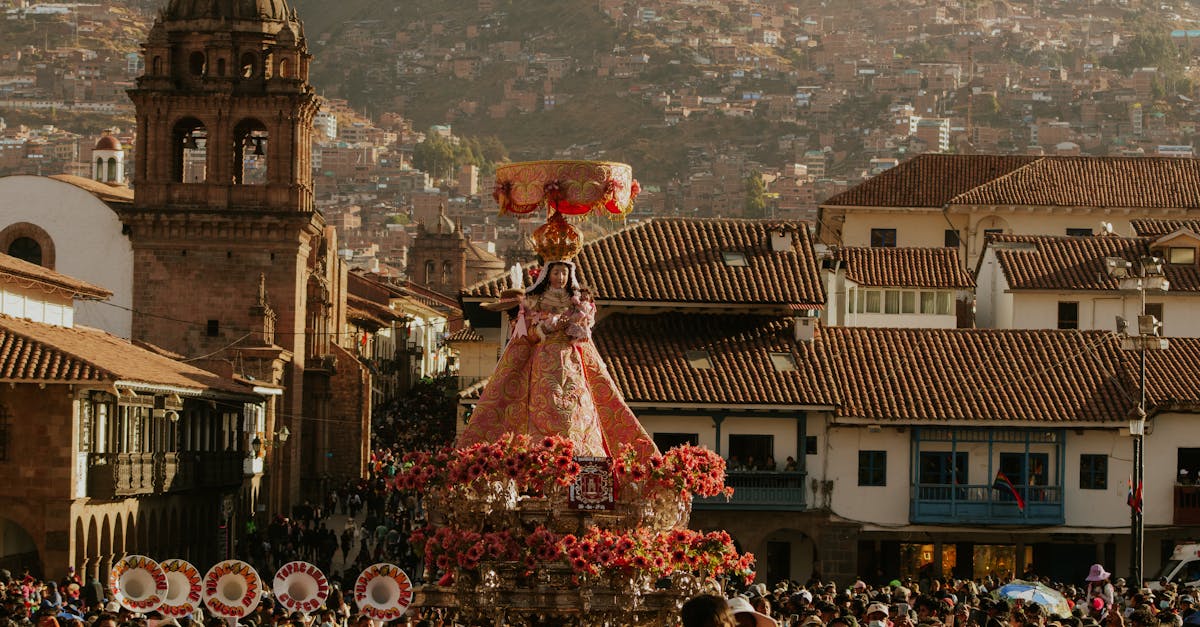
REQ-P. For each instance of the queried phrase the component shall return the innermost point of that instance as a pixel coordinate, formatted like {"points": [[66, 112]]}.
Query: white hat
{"points": [[1098, 573], [740, 605], [876, 607], [112, 607]]}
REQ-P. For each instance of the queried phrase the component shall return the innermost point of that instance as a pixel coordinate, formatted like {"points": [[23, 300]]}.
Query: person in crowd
{"points": [[706, 610]]}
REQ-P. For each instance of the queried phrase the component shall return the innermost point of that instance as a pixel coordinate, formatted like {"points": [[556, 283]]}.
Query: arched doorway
{"points": [[790, 555], [18, 551]]}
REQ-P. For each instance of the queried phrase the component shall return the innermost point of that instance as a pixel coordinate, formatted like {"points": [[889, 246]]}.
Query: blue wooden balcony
{"points": [[984, 505], [760, 490]]}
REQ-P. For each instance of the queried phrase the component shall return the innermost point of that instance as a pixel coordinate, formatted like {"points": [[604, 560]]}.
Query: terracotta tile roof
{"points": [[904, 267], [369, 312], [934, 181], [12, 268], [681, 260], [1173, 375], [647, 357], [31, 351], [1159, 228], [1139, 182], [929, 180], [979, 374], [105, 192], [1047, 262], [465, 334]]}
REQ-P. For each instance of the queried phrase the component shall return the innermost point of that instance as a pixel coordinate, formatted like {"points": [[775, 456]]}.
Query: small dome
{"points": [[108, 142]]}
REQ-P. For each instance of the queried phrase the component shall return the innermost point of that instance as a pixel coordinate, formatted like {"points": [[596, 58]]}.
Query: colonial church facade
{"points": [[223, 225], [218, 258]]}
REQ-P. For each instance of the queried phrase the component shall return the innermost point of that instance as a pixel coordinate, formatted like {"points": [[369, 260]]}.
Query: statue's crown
{"points": [[557, 240]]}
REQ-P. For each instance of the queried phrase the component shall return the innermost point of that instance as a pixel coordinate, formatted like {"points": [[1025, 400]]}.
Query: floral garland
{"points": [[475, 469], [516, 467], [684, 470], [599, 552]]}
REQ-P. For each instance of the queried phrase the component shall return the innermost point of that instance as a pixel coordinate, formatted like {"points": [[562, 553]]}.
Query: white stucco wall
{"points": [[886, 505], [926, 227], [1039, 310], [901, 321], [889, 505], [88, 243], [1099, 508], [1171, 432], [783, 431], [702, 426], [919, 228]]}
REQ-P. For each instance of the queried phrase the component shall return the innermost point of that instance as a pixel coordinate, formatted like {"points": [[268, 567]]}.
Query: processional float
{"points": [[561, 510]]}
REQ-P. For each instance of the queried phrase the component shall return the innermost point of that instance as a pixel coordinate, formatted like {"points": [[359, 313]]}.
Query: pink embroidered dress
{"points": [[551, 381]]}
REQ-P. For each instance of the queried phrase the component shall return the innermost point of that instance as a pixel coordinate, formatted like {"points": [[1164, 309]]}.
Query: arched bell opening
{"points": [[250, 145], [190, 163]]}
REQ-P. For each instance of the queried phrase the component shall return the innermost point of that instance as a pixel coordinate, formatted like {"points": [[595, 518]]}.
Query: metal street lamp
{"points": [[1146, 274]]}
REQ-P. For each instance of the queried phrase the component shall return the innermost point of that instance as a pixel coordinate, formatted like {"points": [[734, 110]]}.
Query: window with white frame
{"points": [[861, 300]]}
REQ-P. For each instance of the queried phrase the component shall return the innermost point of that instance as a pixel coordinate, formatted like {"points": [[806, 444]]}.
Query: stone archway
{"points": [[93, 548], [18, 550], [106, 548], [119, 536], [790, 554], [79, 555]]}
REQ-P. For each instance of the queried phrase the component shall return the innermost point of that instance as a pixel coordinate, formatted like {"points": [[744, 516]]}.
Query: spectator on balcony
{"points": [[1184, 477], [791, 465], [770, 465]]}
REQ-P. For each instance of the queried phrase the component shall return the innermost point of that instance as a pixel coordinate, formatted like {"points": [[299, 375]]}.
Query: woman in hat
{"points": [[551, 379], [1099, 586]]}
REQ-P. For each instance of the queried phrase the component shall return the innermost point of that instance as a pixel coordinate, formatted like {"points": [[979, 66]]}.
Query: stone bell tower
{"points": [[223, 210]]}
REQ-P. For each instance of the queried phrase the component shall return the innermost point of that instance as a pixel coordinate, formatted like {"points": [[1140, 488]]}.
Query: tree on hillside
{"points": [[435, 156], [1147, 48], [756, 196]]}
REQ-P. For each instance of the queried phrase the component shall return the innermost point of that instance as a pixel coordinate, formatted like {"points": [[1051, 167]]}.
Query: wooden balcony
{"points": [[754, 490], [119, 475], [1187, 505], [984, 505]]}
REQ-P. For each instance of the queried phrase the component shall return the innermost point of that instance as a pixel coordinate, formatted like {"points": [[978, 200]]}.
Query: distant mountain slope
{"points": [[365, 52]]}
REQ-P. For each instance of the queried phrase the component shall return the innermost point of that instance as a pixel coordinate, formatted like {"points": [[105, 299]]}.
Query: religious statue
{"points": [[551, 380]]}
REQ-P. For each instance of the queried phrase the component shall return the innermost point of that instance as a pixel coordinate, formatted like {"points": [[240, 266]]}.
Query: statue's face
{"points": [[559, 275]]}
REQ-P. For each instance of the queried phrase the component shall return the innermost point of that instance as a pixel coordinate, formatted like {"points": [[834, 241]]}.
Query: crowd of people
{"points": [[355, 525], [378, 522], [1098, 601]]}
